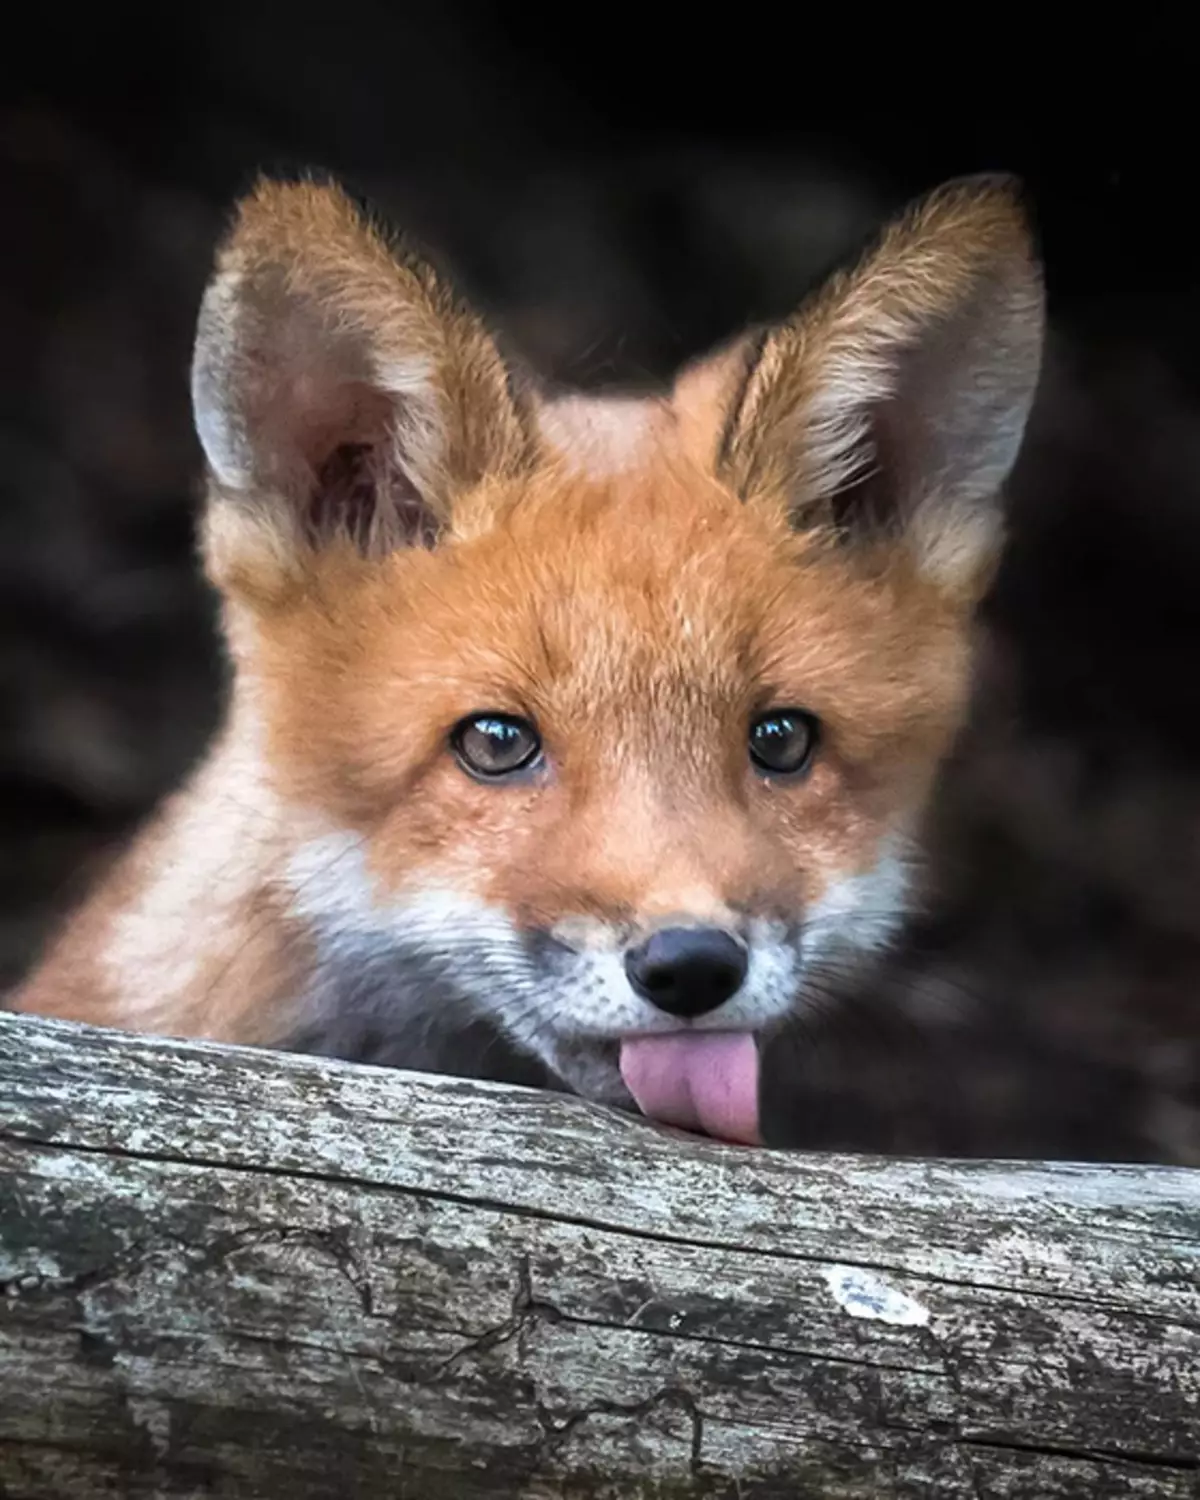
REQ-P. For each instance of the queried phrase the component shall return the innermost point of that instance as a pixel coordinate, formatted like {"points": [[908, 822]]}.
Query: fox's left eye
{"points": [[782, 742], [494, 745]]}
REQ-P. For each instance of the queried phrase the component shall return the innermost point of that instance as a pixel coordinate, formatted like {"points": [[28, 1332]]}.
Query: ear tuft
{"points": [[896, 399], [339, 387]]}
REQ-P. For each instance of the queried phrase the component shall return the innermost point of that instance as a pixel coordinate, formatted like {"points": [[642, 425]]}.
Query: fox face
{"points": [[605, 720]]}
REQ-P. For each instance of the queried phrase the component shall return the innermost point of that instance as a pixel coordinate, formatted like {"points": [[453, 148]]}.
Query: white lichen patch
{"points": [[862, 1294]]}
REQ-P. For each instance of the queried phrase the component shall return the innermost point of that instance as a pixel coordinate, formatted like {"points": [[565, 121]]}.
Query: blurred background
{"points": [[618, 202]]}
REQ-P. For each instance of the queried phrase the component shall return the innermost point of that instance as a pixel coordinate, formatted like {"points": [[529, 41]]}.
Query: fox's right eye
{"points": [[494, 745]]}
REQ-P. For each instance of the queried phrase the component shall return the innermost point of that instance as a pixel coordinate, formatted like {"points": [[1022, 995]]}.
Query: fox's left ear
{"points": [[895, 401]]}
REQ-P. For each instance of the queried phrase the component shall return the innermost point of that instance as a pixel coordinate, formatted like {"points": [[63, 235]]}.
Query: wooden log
{"points": [[229, 1272]]}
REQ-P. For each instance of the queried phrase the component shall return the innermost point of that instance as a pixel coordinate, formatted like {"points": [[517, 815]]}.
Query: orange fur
{"points": [[642, 668], [404, 534]]}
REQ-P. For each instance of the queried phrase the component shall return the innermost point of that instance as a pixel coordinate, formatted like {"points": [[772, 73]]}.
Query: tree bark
{"points": [[229, 1272]]}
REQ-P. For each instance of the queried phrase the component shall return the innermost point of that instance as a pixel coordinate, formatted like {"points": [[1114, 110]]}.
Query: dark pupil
{"points": [[781, 742], [495, 744]]}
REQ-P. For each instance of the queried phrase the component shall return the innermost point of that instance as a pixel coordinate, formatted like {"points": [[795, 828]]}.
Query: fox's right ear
{"points": [[340, 390]]}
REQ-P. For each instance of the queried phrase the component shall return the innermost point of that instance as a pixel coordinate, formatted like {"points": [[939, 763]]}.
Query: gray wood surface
{"points": [[230, 1272]]}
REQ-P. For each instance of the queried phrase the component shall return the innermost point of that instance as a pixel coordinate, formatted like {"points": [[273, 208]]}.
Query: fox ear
{"points": [[895, 401], [339, 389]]}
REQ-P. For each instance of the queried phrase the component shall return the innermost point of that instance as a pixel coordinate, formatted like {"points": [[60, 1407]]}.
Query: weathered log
{"points": [[231, 1272]]}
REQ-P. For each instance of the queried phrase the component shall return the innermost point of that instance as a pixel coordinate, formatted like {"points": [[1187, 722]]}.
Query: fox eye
{"points": [[782, 742], [495, 745]]}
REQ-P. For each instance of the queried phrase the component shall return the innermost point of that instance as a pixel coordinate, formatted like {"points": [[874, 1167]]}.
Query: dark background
{"points": [[617, 201]]}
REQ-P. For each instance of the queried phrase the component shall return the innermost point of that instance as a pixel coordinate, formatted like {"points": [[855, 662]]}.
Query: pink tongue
{"points": [[706, 1081]]}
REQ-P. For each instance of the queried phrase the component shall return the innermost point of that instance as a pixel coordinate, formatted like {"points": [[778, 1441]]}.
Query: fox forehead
{"points": [[639, 597], [606, 591]]}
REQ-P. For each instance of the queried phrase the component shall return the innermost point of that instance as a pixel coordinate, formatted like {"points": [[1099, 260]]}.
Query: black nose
{"points": [[687, 971]]}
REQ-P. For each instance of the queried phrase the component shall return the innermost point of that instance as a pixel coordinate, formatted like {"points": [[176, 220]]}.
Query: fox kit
{"points": [[606, 724]]}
